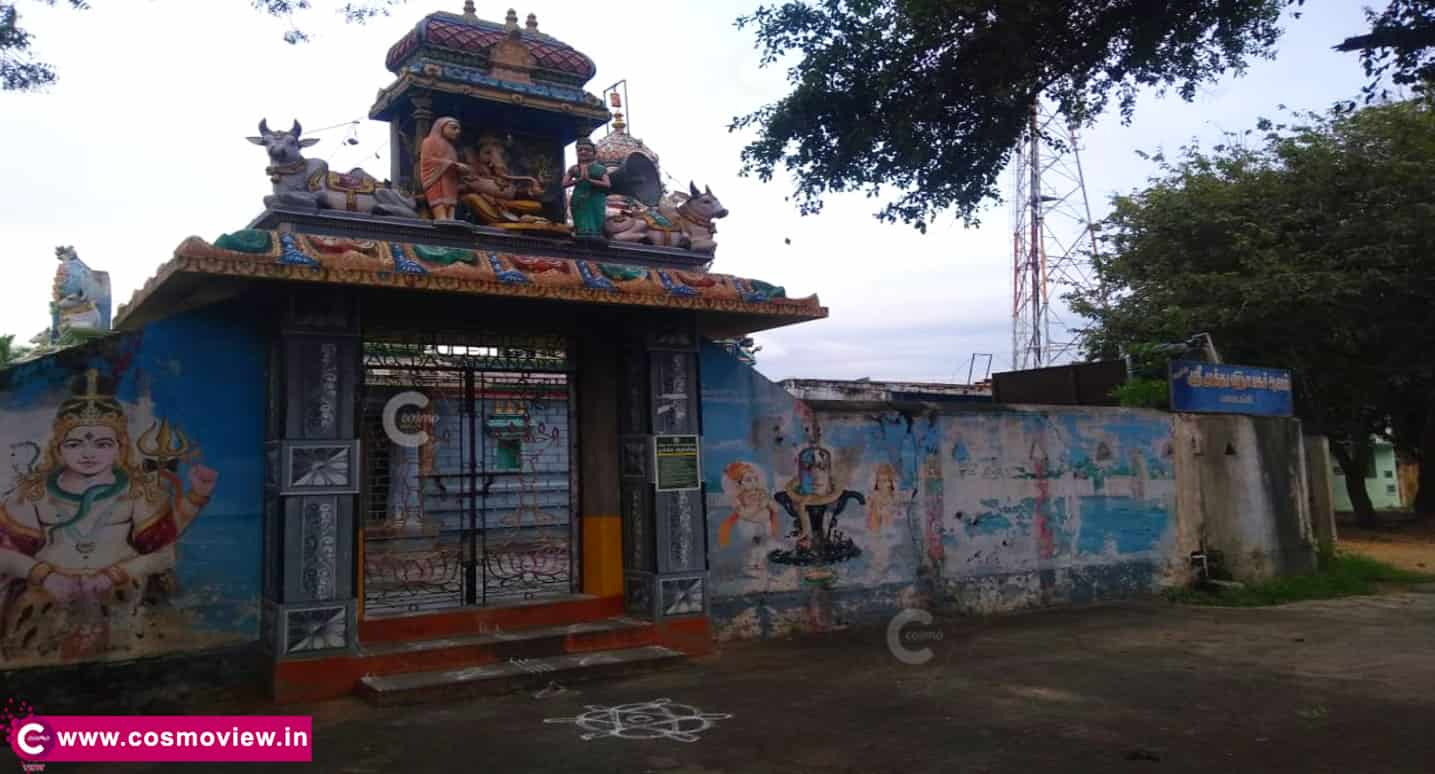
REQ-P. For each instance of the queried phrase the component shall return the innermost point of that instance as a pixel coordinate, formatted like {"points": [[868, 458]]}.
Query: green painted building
{"points": [[1382, 480]]}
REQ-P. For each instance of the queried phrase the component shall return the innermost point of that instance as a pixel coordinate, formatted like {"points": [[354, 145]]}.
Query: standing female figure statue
{"points": [[591, 185]]}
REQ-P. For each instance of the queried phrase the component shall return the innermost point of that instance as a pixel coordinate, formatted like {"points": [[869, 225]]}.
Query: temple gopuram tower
{"points": [[505, 82]]}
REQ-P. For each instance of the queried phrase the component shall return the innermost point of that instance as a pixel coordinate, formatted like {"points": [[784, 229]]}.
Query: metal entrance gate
{"points": [[469, 486]]}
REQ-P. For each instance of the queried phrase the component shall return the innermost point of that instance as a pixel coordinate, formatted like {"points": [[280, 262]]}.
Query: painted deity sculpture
{"points": [[440, 171], [81, 296], [90, 531], [680, 220], [590, 184], [309, 184], [497, 197]]}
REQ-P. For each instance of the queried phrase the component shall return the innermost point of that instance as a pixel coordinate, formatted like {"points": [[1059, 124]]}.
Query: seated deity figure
{"points": [[90, 533], [496, 196]]}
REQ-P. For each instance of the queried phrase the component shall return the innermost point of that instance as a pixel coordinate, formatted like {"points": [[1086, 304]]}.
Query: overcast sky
{"points": [[141, 144]]}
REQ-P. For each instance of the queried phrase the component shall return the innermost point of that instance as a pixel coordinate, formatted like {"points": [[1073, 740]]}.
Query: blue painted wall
{"points": [[978, 508], [203, 375]]}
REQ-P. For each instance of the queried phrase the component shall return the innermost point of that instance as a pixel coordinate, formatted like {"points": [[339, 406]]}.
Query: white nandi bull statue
{"points": [[80, 296], [680, 220], [308, 184]]}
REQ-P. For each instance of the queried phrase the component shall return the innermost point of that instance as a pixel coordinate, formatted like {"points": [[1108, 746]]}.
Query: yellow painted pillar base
{"points": [[603, 556]]}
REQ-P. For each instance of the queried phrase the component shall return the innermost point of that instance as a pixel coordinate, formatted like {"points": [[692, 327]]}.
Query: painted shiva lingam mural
{"points": [[480, 115]]}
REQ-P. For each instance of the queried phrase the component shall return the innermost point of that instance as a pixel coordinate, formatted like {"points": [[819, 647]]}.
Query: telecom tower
{"points": [[1051, 242]]}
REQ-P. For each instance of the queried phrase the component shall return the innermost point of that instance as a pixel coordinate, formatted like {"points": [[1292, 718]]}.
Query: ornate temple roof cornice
{"points": [[254, 254], [473, 82]]}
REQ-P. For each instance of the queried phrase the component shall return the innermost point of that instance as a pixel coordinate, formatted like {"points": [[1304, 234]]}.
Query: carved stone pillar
{"points": [[423, 122], [663, 508], [312, 478]]}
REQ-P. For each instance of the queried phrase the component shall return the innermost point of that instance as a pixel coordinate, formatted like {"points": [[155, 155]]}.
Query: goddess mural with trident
{"points": [[87, 530]]}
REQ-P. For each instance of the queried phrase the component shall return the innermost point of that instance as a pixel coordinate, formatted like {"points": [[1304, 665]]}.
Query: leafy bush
{"points": [[1144, 393]]}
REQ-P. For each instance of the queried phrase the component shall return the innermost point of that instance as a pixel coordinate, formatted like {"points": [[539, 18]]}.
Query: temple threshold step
{"points": [[516, 674], [603, 634]]}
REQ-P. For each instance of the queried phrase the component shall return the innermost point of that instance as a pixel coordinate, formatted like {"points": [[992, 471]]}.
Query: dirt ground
{"points": [[1340, 686], [1409, 545]]}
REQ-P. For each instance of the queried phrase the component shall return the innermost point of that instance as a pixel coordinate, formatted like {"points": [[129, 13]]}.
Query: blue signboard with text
{"points": [[1217, 388]]}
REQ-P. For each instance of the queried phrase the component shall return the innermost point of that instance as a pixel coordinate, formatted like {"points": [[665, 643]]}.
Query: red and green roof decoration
{"points": [[253, 254], [469, 40], [459, 58]]}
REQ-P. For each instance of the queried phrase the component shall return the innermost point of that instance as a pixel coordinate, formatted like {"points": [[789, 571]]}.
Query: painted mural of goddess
{"points": [[88, 530]]}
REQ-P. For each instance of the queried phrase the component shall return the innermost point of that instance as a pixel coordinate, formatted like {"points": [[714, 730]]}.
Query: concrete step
{"points": [[522, 614], [496, 645], [515, 674]]}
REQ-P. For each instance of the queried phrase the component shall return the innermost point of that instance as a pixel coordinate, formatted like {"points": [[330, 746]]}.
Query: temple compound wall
{"points": [[825, 513], [131, 522]]}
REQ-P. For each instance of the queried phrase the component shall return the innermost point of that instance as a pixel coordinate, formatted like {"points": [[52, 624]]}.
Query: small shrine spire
{"points": [[532, 22], [510, 22], [469, 11], [619, 125]]}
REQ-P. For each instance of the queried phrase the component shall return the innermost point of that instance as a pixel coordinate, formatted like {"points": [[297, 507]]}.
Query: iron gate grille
{"points": [[469, 491]]}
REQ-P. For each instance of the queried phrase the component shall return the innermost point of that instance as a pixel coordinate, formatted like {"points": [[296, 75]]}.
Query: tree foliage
{"points": [[930, 97], [1303, 246], [1400, 44], [921, 102], [9, 352], [19, 70]]}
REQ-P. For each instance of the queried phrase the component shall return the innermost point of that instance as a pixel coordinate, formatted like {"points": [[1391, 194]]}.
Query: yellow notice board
{"points": [[677, 464]]}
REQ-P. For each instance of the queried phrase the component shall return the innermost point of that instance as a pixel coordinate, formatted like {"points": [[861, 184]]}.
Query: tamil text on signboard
{"points": [[1217, 388]]}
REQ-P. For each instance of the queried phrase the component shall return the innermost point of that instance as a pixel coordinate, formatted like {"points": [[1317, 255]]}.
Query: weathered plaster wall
{"points": [[1320, 470], [1242, 483], [145, 548], [981, 509]]}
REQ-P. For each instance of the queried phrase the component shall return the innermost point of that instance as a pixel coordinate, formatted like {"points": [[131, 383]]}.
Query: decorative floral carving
{"points": [[320, 542]]}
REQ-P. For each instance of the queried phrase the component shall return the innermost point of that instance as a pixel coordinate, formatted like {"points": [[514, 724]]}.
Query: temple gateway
{"points": [[388, 419], [494, 420]]}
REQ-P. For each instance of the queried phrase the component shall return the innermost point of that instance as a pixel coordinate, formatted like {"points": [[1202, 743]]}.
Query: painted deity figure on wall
{"points": [[884, 501], [591, 186], [814, 498], [752, 525], [90, 533]]}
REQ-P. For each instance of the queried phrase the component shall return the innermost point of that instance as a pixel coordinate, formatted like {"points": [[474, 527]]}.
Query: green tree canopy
{"points": [[1401, 44], [9, 352], [1301, 246], [925, 100]]}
